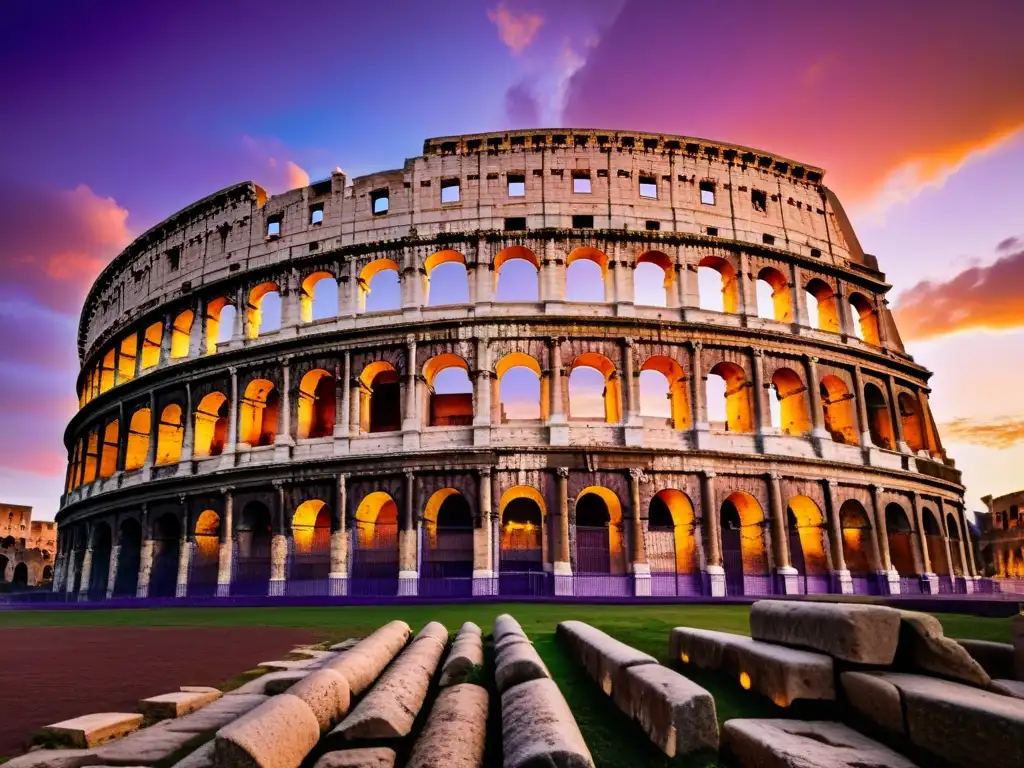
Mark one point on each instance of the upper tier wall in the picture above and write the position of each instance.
(228, 231)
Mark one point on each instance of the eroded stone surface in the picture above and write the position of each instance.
(1013, 688)
(605, 658)
(538, 728)
(435, 630)
(796, 744)
(54, 758)
(201, 758)
(157, 744)
(345, 645)
(995, 658)
(91, 730)
(269, 681)
(326, 692)
(456, 730)
(677, 714)
(277, 734)
(374, 757)
(704, 648)
(176, 704)
(466, 654)
(217, 714)
(517, 663)
(364, 662)
(287, 664)
(506, 625)
(874, 699)
(923, 646)
(864, 634)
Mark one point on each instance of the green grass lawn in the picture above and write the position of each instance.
(612, 738)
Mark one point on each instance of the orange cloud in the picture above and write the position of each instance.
(515, 30)
(979, 298)
(270, 172)
(295, 175)
(1002, 433)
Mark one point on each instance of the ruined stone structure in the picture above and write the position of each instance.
(218, 450)
(27, 549)
(1002, 536)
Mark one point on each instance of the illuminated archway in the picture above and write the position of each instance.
(380, 402)
(913, 424)
(151, 340)
(790, 412)
(837, 406)
(317, 404)
(181, 332)
(714, 272)
(138, 440)
(936, 542)
(879, 418)
(375, 546)
(381, 275)
(260, 318)
(127, 356)
(202, 578)
(92, 458)
(310, 562)
(865, 319)
(671, 540)
(856, 534)
(170, 432)
(901, 540)
(107, 370)
(220, 317)
(739, 416)
(808, 543)
(108, 451)
(449, 395)
(515, 281)
(519, 391)
(211, 426)
(521, 547)
(744, 551)
(582, 393)
(653, 280)
(672, 384)
(586, 276)
(598, 515)
(821, 306)
(447, 270)
(774, 301)
(258, 416)
(448, 543)
(318, 297)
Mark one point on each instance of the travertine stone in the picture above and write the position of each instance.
(873, 698)
(456, 731)
(53, 758)
(345, 645)
(518, 663)
(995, 658)
(372, 757)
(366, 660)
(262, 683)
(923, 646)
(435, 630)
(605, 658)
(288, 665)
(865, 634)
(175, 704)
(1013, 688)
(218, 714)
(277, 734)
(796, 744)
(90, 730)
(391, 706)
(504, 625)
(677, 714)
(466, 654)
(538, 728)
(158, 744)
(326, 692)
(286, 681)
(780, 673)
(201, 758)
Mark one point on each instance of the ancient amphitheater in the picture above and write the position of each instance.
(223, 450)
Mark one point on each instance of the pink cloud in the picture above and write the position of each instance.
(516, 30)
(271, 169)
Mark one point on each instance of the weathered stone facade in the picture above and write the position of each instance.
(211, 455)
(1001, 537)
(27, 549)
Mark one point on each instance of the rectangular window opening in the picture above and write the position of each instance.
(759, 200)
(707, 192)
(515, 223)
(381, 202)
(582, 222)
(581, 183)
(653, 226)
(174, 258)
(316, 214)
(516, 186)
(274, 226)
(768, 239)
(649, 187)
(713, 231)
(450, 191)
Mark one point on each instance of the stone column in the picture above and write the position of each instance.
(145, 565)
(563, 563)
(338, 576)
(165, 341)
(862, 408)
(291, 305)
(641, 567)
(761, 414)
(558, 427)
(843, 580)
(929, 581)
(786, 573)
(709, 510)
(483, 553)
(408, 565)
(197, 333)
(284, 434)
(188, 436)
(966, 533)
(278, 545)
(631, 418)
(843, 310)
(482, 394)
(411, 423)
(241, 319)
(69, 578)
(897, 419)
(185, 551)
(228, 454)
(814, 390)
(123, 428)
(799, 299)
(698, 397)
(83, 587)
(354, 401)
(226, 545)
(926, 424)
(342, 408)
(115, 556)
(154, 421)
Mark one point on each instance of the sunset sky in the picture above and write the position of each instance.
(114, 115)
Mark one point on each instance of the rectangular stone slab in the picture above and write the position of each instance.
(863, 634)
(91, 730)
(456, 731)
(605, 658)
(217, 714)
(796, 744)
(538, 728)
(176, 704)
(677, 714)
(156, 744)
(995, 658)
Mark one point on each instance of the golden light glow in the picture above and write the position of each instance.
(514, 252)
(316, 406)
(310, 516)
(180, 332)
(730, 286)
(684, 657)
(207, 535)
(678, 388)
(214, 312)
(108, 451)
(151, 341)
(376, 508)
(138, 440)
(751, 517)
(258, 417)
(745, 681)
(612, 386)
(794, 412)
(308, 292)
(739, 416)
(683, 520)
(782, 302)
(828, 315)
(865, 318)
(812, 535)
(369, 272)
(211, 426)
(837, 404)
(126, 357)
(107, 371)
(255, 307)
(170, 432)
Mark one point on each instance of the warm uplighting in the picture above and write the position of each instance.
(745, 681)
(684, 657)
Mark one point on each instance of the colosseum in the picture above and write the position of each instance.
(258, 418)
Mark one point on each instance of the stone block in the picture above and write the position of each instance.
(91, 730)
(456, 731)
(366, 660)
(217, 714)
(372, 757)
(506, 625)
(277, 734)
(201, 758)
(863, 634)
(270, 683)
(782, 674)
(605, 658)
(796, 744)
(326, 693)
(54, 758)
(995, 658)
(176, 704)
(677, 714)
(538, 728)
(466, 654)
(923, 646)
(390, 708)
(517, 663)
(435, 630)
(874, 699)
(158, 744)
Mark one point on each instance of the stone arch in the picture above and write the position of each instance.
(375, 545)
(522, 517)
(258, 415)
(109, 448)
(822, 306)
(107, 370)
(448, 408)
(137, 446)
(654, 277)
(448, 541)
(253, 538)
(373, 271)
(92, 458)
(855, 526)
(380, 401)
(163, 577)
(220, 318)
(598, 528)
(452, 275)
(671, 533)
(318, 297)
(129, 541)
(210, 434)
(953, 528)
(202, 577)
(727, 279)
(181, 333)
(518, 366)
(739, 411)
(879, 417)
(102, 544)
(152, 338)
(935, 540)
(258, 319)
(808, 542)
(838, 408)
(317, 404)
(584, 284)
(744, 550)
(676, 389)
(502, 291)
(865, 319)
(774, 300)
(20, 575)
(611, 396)
(170, 432)
(902, 549)
(310, 561)
(47, 573)
(790, 410)
(913, 424)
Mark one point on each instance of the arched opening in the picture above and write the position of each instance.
(107, 371)
(47, 574)
(519, 390)
(953, 528)
(449, 391)
(99, 574)
(170, 432)
(936, 542)
(310, 561)
(664, 391)
(717, 285)
(380, 401)
(808, 545)
(129, 541)
(151, 341)
(380, 288)
(598, 529)
(653, 280)
(520, 556)
(92, 458)
(516, 275)
(856, 534)
(126, 357)
(317, 404)
(252, 549)
(259, 413)
(672, 549)
(594, 389)
(447, 545)
(375, 549)
(220, 322)
(4, 563)
(788, 405)
(264, 310)
(163, 577)
(138, 440)
(774, 301)
(211, 427)
(108, 451)
(729, 399)
(865, 319)
(901, 540)
(879, 419)
(837, 406)
(586, 273)
(446, 280)
(318, 298)
(20, 576)
(202, 577)
(821, 306)
(913, 427)
(744, 550)
(181, 332)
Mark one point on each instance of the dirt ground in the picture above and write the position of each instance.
(55, 673)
